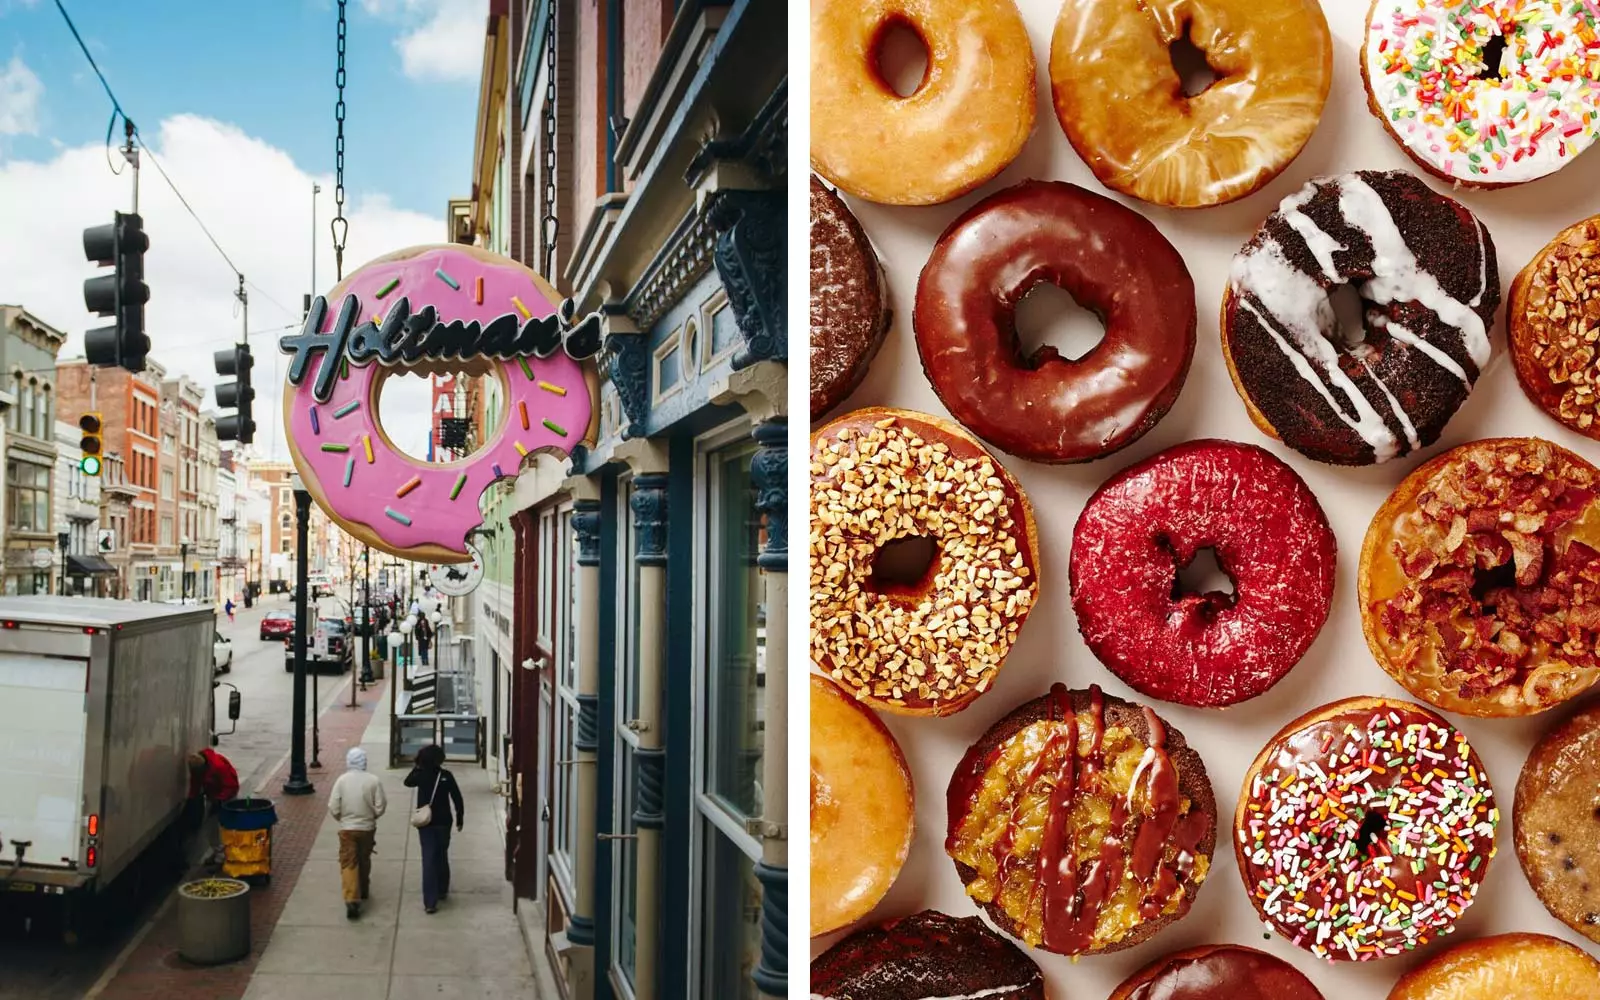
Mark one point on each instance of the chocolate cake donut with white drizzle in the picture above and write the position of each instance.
(1425, 270)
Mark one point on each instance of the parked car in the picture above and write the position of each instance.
(221, 654)
(328, 645)
(277, 625)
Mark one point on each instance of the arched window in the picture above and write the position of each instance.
(29, 425)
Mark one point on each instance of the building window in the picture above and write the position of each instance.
(731, 721)
(565, 556)
(625, 912)
(166, 484)
(29, 422)
(28, 496)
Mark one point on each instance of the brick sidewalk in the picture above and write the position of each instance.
(155, 971)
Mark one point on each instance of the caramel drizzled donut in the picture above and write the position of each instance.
(1081, 823)
(931, 646)
(1480, 578)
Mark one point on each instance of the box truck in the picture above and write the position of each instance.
(101, 702)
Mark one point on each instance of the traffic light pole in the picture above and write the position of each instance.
(131, 154)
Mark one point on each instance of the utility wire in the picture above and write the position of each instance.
(74, 29)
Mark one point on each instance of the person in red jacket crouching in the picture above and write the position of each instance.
(212, 781)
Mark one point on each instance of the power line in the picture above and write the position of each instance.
(74, 29)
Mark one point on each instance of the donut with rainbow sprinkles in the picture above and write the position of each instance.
(1485, 93)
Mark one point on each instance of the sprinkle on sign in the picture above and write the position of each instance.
(396, 515)
(555, 427)
(558, 390)
(330, 446)
(392, 284)
(522, 411)
(316, 422)
(349, 470)
(347, 409)
(477, 290)
(408, 486)
(366, 445)
(455, 490)
(438, 272)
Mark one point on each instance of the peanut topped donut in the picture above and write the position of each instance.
(1114, 262)
(1148, 521)
(1480, 578)
(1488, 93)
(1425, 270)
(1364, 829)
(1554, 324)
(967, 120)
(921, 641)
(1124, 108)
(1081, 823)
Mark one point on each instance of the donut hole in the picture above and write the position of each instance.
(1349, 314)
(457, 410)
(900, 56)
(1051, 324)
(1485, 582)
(1205, 577)
(1371, 833)
(904, 565)
(1195, 75)
(1493, 50)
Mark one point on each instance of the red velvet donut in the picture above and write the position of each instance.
(1148, 521)
(1114, 262)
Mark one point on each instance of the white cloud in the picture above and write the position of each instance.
(254, 199)
(20, 91)
(440, 39)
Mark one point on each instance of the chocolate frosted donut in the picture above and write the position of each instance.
(1425, 270)
(925, 956)
(1217, 972)
(1114, 262)
(849, 301)
(1081, 823)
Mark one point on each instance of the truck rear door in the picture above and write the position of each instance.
(43, 714)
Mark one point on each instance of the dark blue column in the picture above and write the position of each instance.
(611, 537)
(769, 474)
(679, 895)
(586, 529)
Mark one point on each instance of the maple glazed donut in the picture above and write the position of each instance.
(929, 646)
(1504, 967)
(1487, 93)
(1114, 262)
(1479, 583)
(1217, 972)
(926, 955)
(967, 120)
(1364, 829)
(1557, 822)
(1081, 823)
(1123, 106)
(1554, 323)
(1147, 522)
(1425, 270)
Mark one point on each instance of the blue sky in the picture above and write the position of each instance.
(266, 67)
(236, 101)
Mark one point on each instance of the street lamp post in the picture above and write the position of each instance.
(183, 572)
(366, 614)
(65, 541)
(297, 783)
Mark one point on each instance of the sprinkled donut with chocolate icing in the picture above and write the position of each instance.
(1364, 829)
(1425, 270)
(1081, 823)
(1485, 93)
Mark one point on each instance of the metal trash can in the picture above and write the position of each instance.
(247, 839)
(214, 920)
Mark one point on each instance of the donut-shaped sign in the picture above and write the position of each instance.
(432, 310)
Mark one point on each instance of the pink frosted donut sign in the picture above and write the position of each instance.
(432, 309)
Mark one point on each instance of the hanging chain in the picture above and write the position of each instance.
(340, 226)
(550, 227)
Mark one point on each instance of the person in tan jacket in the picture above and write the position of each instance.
(356, 802)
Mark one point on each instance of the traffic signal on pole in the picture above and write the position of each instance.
(240, 426)
(92, 445)
(121, 294)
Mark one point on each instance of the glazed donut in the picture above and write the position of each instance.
(1364, 829)
(968, 119)
(849, 301)
(1148, 521)
(1106, 780)
(1557, 822)
(1217, 972)
(1424, 328)
(931, 646)
(1114, 262)
(1123, 106)
(1487, 94)
(1504, 967)
(1554, 323)
(402, 505)
(863, 809)
(926, 955)
(1479, 584)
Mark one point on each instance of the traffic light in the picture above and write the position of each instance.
(92, 445)
(240, 426)
(121, 295)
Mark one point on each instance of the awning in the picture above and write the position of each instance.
(89, 566)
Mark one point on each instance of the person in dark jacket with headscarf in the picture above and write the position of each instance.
(436, 789)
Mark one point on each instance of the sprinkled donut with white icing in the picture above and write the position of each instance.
(1486, 93)
(1424, 268)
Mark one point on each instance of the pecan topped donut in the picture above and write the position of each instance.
(1554, 324)
(932, 644)
(1480, 578)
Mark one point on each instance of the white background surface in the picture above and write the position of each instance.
(1520, 220)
